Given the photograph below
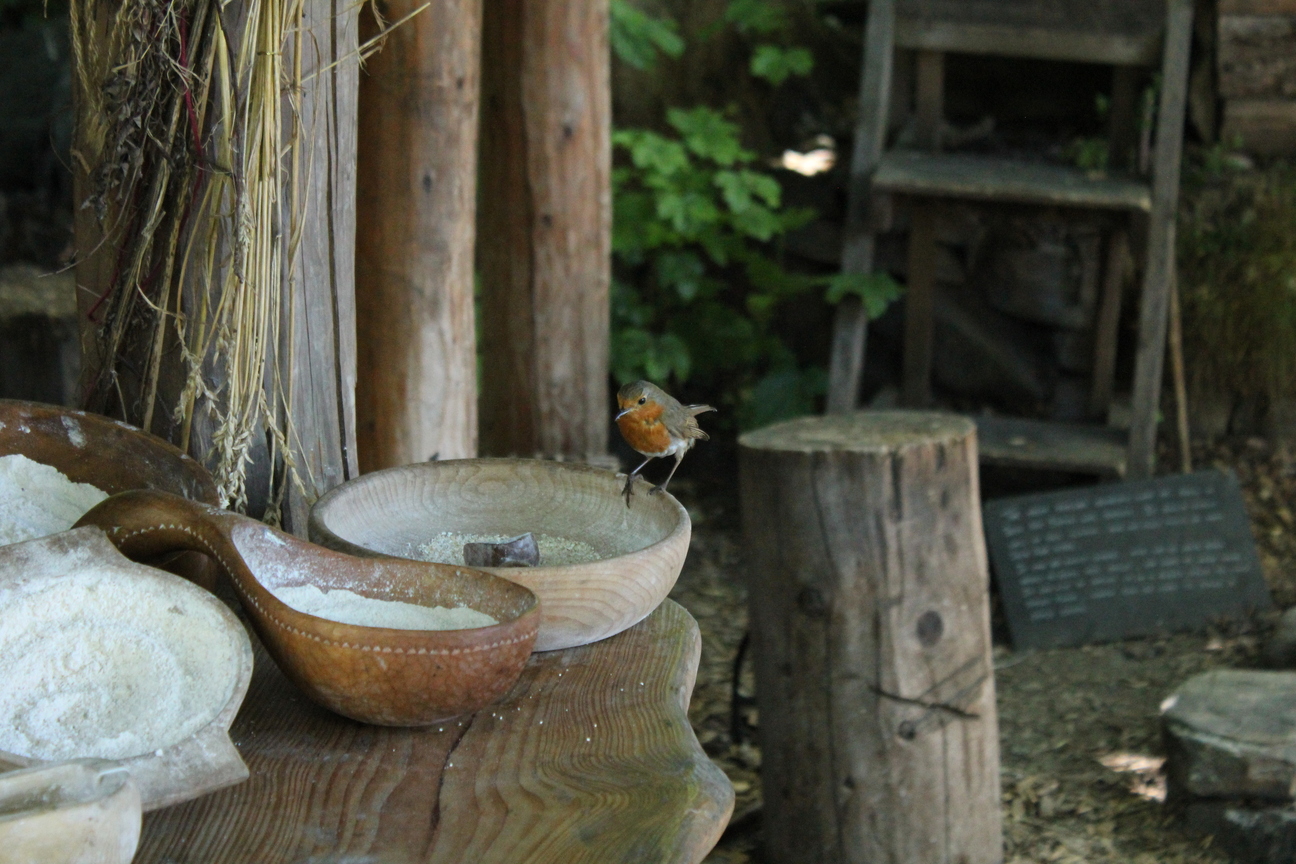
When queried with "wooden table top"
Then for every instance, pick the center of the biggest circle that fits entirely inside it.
(590, 758)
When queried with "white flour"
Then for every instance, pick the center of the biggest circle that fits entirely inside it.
(347, 607)
(447, 548)
(36, 499)
(100, 663)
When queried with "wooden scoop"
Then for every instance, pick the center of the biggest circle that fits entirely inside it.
(376, 675)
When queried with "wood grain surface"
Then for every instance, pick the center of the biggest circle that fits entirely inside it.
(869, 596)
(545, 227)
(590, 758)
(416, 207)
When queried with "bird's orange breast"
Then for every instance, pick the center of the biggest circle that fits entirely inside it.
(644, 430)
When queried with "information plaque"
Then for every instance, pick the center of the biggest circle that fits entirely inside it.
(1124, 559)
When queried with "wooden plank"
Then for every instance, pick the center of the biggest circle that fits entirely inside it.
(416, 208)
(590, 758)
(1256, 7)
(1107, 325)
(870, 605)
(1266, 126)
(850, 325)
(1040, 43)
(1146, 402)
(920, 305)
(1024, 443)
(318, 335)
(1177, 375)
(544, 229)
(1256, 56)
(929, 98)
(985, 178)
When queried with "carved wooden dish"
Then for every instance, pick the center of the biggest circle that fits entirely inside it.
(85, 811)
(376, 675)
(194, 765)
(393, 512)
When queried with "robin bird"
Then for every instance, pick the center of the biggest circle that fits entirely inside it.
(656, 425)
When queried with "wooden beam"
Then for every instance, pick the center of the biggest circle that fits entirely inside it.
(850, 327)
(1122, 119)
(545, 227)
(929, 98)
(920, 305)
(416, 211)
(1154, 304)
(1107, 325)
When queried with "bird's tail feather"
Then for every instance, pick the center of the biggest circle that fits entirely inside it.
(695, 410)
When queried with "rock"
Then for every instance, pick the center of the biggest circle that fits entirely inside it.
(1280, 647)
(1265, 835)
(520, 551)
(1231, 733)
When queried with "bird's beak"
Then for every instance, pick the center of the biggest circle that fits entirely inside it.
(623, 412)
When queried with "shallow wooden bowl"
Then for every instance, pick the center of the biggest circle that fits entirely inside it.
(85, 811)
(109, 454)
(394, 511)
(204, 760)
(376, 675)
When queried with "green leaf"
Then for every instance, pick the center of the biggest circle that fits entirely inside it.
(739, 188)
(781, 394)
(756, 16)
(709, 135)
(651, 151)
(637, 37)
(682, 271)
(776, 64)
(876, 290)
(688, 213)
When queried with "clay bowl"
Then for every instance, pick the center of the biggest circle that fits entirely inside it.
(394, 511)
(85, 810)
(375, 675)
(108, 454)
(54, 579)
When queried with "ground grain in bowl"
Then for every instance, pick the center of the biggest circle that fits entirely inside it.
(447, 548)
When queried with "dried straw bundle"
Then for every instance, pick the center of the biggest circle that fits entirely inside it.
(189, 145)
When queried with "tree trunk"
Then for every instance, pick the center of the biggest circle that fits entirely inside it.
(417, 185)
(871, 630)
(545, 227)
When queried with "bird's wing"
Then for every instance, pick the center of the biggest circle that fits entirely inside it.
(695, 410)
(693, 430)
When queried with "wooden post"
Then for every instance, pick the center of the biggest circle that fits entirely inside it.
(850, 326)
(871, 630)
(1159, 271)
(545, 227)
(920, 303)
(416, 209)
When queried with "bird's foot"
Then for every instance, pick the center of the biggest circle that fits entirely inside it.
(656, 489)
(628, 490)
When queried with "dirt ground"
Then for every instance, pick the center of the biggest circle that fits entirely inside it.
(1079, 733)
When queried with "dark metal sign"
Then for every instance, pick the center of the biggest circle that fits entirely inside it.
(1124, 559)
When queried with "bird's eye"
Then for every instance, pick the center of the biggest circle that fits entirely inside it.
(643, 399)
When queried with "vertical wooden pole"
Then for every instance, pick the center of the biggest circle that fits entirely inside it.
(319, 337)
(1148, 362)
(869, 595)
(416, 209)
(545, 227)
(1107, 325)
(920, 299)
(850, 327)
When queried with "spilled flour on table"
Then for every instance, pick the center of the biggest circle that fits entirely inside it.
(37, 499)
(348, 607)
(97, 663)
(447, 548)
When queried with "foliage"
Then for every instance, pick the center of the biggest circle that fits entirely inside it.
(1237, 264)
(698, 287)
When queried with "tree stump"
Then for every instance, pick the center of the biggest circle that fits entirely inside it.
(871, 635)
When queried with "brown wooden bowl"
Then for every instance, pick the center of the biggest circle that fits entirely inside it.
(394, 511)
(375, 675)
(112, 456)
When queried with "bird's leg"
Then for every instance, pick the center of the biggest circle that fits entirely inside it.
(661, 487)
(628, 491)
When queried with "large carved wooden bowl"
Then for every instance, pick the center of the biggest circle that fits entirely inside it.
(394, 511)
(380, 675)
(109, 454)
(85, 811)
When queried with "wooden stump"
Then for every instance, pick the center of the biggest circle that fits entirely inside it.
(871, 630)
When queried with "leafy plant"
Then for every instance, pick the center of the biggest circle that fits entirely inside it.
(698, 286)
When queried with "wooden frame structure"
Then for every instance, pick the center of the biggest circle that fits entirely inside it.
(1126, 35)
